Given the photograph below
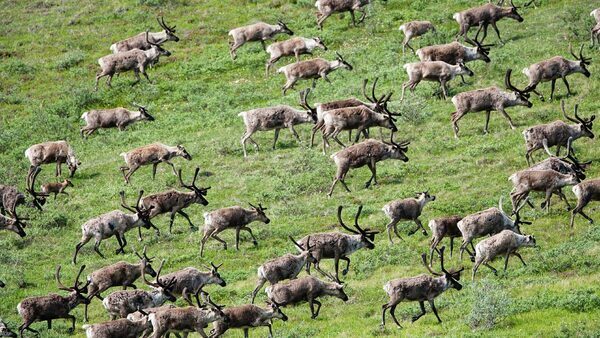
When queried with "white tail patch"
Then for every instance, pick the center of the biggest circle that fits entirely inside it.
(123, 155)
(577, 191)
(432, 225)
(270, 49)
(269, 291)
(84, 116)
(454, 100)
(281, 70)
(525, 71)
(318, 3)
(261, 272)
(113, 48)
(27, 152)
(387, 287)
(420, 54)
(406, 65)
(457, 17)
(402, 28)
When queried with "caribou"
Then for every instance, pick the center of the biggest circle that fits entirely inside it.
(325, 8)
(505, 243)
(154, 154)
(556, 68)
(311, 69)
(337, 245)
(484, 16)
(56, 187)
(173, 201)
(293, 46)
(414, 29)
(420, 288)
(58, 152)
(406, 209)
(488, 100)
(109, 118)
(135, 59)
(259, 31)
(234, 217)
(557, 133)
(438, 71)
(141, 42)
(248, 316)
(53, 306)
(585, 192)
(368, 153)
(548, 181)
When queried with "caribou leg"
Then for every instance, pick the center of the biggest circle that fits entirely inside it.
(417, 316)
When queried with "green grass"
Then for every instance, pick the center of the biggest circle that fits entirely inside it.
(48, 53)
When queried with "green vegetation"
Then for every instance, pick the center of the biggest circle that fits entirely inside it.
(48, 53)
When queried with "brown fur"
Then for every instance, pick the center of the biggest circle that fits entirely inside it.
(552, 69)
(56, 187)
(504, 243)
(406, 209)
(438, 71)
(311, 69)
(294, 46)
(248, 316)
(51, 152)
(119, 328)
(484, 15)
(259, 31)
(111, 118)
(548, 181)
(325, 8)
(154, 154)
(585, 192)
(440, 228)
(414, 29)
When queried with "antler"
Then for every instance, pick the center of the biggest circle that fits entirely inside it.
(39, 199)
(124, 203)
(162, 23)
(507, 82)
(424, 259)
(61, 286)
(569, 149)
(304, 100)
(339, 216)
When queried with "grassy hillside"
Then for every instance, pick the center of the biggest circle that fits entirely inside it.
(48, 53)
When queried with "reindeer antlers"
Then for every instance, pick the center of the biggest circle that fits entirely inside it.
(162, 23)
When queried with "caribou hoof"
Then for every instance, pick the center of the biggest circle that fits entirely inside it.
(412, 232)
(344, 272)
(313, 317)
(70, 330)
(255, 243)
(415, 318)
(424, 232)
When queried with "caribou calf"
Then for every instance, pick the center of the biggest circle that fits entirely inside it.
(556, 68)
(306, 289)
(56, 187)
(293, 46)
(557, 133)
(420, 288)
(247, 316)
(275, 118)
(504, 243)
(406, 209)
(259, 31)
(585, 192)
(414, 29)
(439, 71)
(154, 154)
(234, 217)
(110, 118)
(548, 181)
(311, 69)
(368, 153)
(285, 267)
(488, 100)
(440, 228)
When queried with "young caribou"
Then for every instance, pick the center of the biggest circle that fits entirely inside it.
(488, 222)
(285, 267)
(311, 69)
(119, 328)
(56, 188)
(368, 153)
(123, 302)
(439, 71)
(484, 16)
(275, 118)
(557, 133)
(135, 59)
(440, 228)
(140, 42)
(337, 245)
(556, 68)
(53, 306)
(173, 201)
(420, 288)
(414, 29)
(406, 209)
(154, 154)
(114, 223)
(248, 316)
(504, 243)
(110, 118)
(58, 152)
(259, 31)
(585, 192)
(293, 46)
(234, 217)
(305, 289)
(488, 100)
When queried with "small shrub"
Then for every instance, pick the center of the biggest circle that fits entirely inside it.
(70, 59)
(413, 111)
(490, 306)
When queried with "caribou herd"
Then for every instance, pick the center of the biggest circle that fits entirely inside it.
(145, 313)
